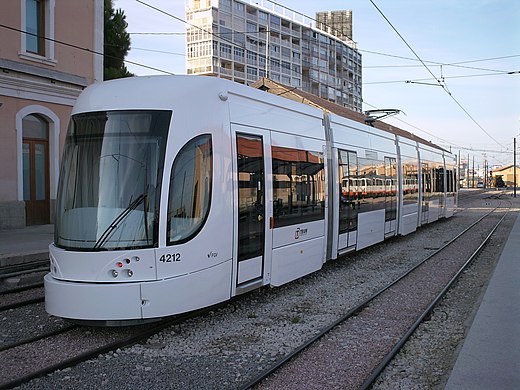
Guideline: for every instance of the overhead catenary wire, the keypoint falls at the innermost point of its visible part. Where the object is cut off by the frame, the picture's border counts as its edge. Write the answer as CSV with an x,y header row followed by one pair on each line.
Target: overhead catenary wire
x,y
243,47
168,72
445,77
81,48
453,64
438,81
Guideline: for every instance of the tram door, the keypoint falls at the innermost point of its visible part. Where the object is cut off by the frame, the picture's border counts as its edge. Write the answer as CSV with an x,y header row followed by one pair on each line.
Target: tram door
x,y
251,239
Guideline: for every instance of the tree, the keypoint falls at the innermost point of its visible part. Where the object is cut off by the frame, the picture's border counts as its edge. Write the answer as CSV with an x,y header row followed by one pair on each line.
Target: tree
x,y
117,43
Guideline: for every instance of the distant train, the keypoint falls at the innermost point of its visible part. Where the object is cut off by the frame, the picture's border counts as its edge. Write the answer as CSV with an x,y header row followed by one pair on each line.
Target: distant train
x,y
179,192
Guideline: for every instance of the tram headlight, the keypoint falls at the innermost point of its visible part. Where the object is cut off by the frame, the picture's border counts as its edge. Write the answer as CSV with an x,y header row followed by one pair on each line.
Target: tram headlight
x,y
130,273
115,273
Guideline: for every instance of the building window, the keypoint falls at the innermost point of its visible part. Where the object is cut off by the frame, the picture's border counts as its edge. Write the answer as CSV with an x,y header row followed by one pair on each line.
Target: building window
x,y
251,58
251,27
226,33
286,67
238,8
35,26
252,73
225,5
263,17
239,54
225,50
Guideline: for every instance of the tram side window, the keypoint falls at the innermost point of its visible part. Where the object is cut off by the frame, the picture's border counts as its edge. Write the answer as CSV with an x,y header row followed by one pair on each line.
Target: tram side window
x,y
349,198
298,186
390,188
439,185
439,180
455,180
190,190
371,184
451,181
410,184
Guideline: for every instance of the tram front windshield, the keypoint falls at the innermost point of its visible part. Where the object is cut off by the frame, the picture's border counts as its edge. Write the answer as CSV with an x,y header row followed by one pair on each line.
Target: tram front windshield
x,y
110,180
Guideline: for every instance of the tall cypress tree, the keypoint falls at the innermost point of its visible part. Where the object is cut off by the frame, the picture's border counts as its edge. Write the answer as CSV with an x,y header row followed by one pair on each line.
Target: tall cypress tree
x,y
117,43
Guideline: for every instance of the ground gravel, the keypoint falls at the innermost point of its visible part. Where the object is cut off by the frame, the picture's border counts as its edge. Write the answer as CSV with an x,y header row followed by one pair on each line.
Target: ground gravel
x,y
224,348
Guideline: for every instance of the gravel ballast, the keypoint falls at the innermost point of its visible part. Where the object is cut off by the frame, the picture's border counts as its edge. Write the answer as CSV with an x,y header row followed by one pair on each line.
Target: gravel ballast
x,y
228,346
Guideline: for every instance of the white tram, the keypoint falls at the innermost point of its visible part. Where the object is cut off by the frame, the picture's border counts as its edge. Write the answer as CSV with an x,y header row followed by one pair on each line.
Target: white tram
x,y
179,192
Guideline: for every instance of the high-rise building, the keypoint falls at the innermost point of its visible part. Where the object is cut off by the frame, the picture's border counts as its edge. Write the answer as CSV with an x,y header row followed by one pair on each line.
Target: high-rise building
x,y
245,40
338,23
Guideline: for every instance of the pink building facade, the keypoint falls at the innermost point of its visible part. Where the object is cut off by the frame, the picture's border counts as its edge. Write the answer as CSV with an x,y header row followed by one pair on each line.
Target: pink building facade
x,y
50,50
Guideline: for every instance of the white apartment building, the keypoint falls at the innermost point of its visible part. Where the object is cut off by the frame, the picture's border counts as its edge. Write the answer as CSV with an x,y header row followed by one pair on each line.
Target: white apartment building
x,y
250,39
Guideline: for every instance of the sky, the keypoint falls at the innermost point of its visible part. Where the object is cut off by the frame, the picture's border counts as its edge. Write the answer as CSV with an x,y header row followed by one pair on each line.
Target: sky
x,y
470,46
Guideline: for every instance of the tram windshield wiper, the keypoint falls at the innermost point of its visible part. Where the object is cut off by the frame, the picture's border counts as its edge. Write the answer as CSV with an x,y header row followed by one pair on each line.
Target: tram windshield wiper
x,y
115,223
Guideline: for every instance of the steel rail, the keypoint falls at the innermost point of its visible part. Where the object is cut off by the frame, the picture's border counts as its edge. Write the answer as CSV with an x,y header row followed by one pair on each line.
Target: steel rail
x,y
135,337
39,337
21,288
281,362
17,305
80,357
397,347
22,302
9,271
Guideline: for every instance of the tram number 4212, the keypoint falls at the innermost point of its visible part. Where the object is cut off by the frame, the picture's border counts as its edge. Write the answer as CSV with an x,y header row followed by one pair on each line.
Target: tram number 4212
x,y
170,258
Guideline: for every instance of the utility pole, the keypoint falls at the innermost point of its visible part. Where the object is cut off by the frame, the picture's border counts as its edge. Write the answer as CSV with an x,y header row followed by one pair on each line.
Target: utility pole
x,y
457,184
473,176
467,177
485,170
486,174
514,166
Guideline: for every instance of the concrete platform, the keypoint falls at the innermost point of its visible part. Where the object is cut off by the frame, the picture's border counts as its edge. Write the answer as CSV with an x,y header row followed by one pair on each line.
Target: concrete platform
x,y
490,355
25,245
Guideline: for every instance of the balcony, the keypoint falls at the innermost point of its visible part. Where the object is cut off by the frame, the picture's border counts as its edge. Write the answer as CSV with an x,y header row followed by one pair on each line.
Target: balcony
x,y
226,55
226,71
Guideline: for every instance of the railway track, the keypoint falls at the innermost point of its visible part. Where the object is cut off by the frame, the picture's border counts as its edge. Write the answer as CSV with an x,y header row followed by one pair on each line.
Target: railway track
x,y
9,271
69,345
21,296
22,284
214,347
304,365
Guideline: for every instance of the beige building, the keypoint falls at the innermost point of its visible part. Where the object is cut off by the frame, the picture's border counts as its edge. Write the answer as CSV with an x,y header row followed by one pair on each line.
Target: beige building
x,y
508,175
46,59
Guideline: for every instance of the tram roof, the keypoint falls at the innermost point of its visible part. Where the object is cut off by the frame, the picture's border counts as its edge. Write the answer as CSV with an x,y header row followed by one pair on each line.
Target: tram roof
x,y
308,98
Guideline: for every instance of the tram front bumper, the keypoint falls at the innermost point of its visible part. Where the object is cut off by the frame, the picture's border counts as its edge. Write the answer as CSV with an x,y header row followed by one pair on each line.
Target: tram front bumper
x,y
92,301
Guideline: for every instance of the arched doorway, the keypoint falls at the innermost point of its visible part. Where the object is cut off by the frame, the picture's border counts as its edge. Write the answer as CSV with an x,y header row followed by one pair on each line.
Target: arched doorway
x,y
35,156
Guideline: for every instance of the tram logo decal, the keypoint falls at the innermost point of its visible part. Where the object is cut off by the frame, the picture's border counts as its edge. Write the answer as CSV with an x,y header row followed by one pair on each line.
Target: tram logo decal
x,y
300,233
